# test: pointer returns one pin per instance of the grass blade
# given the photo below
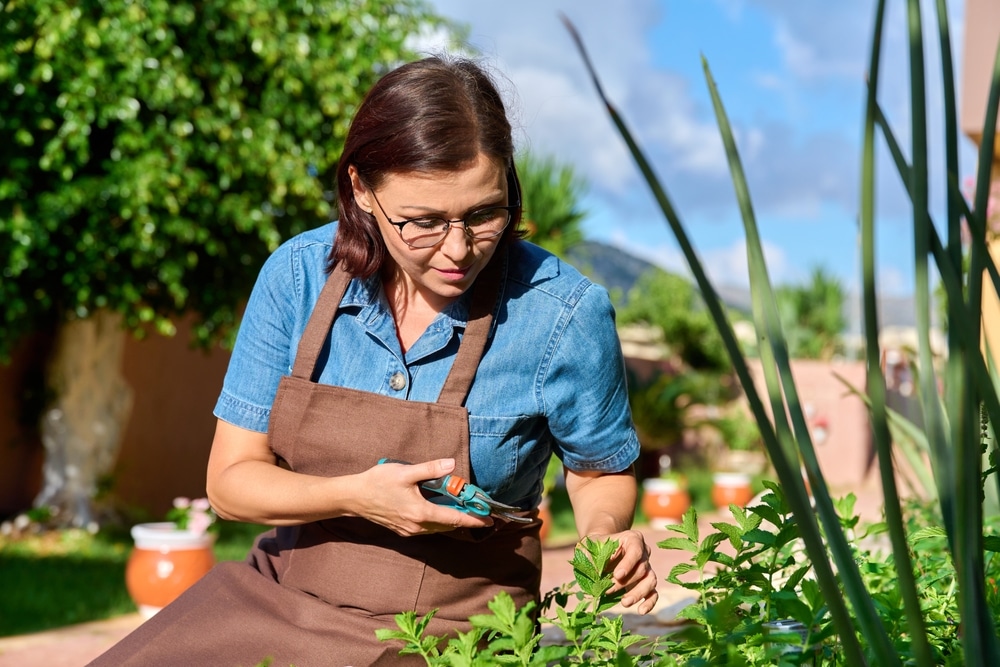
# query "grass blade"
(774, 357)
(788, 474)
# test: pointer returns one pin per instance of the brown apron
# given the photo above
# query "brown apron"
(315, 594)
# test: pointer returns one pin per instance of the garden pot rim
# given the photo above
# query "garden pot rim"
(663, 484)
(730, 478)
(166, 534)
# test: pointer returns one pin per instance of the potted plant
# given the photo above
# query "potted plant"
(665, 498)
(731, 488)
(169, 556)
(740, 448)
(552, 473)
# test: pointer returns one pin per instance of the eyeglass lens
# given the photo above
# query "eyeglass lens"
(483, 224)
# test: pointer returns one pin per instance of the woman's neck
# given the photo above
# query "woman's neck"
(411, 310)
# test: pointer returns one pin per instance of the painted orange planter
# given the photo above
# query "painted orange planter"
(731, 488)
(545, 517)
(664, 501)
(164, 563)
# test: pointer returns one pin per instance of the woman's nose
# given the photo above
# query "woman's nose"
(457, 242)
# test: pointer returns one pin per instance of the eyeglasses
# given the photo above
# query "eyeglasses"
(427, 232)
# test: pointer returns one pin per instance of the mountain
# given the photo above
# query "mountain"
(609, 266)
(618, 271)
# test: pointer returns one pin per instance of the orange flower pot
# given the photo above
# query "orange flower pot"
(664, 501)
(164, 563)
(731, 488)
(545, 518)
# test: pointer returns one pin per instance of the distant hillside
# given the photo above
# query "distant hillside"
(609, 266)
(617, 271)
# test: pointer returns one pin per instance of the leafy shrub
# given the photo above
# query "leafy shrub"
(746, 573)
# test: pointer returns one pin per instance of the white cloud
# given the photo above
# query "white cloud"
(891, 281)
(797, 115)
(727, 266)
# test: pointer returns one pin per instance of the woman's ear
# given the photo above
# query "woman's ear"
(361, 193)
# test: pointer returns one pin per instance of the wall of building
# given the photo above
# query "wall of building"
(166, 443)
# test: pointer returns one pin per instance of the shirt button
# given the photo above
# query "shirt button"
(397, 381)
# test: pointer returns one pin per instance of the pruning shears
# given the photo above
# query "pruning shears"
(456, 492)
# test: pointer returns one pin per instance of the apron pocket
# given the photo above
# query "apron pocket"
(366, 577)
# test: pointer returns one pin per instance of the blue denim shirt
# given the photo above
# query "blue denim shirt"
(551, 379)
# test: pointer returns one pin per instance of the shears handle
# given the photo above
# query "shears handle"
(455, 492)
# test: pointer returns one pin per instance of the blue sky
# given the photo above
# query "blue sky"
(791, 75)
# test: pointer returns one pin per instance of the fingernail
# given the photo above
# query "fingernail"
(447, 464)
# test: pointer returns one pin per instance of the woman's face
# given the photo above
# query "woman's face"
(441, 273)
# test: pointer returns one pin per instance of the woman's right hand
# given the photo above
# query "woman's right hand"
(245, 484)
(394, 499)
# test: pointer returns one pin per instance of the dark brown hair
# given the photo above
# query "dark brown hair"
(431, 115)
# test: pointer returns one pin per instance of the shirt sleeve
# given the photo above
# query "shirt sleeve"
(261, 355)
(585, 391)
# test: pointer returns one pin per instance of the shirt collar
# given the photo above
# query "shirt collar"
(366, 295)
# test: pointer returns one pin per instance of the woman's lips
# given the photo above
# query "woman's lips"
(454, 274)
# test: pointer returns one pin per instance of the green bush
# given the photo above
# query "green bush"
(156, 151)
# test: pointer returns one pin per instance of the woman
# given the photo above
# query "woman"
(420, 329)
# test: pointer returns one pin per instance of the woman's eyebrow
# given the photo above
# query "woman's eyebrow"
(486, 202)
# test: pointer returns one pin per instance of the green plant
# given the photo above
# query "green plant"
(510, 636)
(812, 316)
(670, 303)
(550, 194)
(747, 573)
(951, 420)
(196, 516)
(157, 152)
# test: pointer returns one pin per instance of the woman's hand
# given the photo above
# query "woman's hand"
(604, 505)
(245, 483)
(632, 571)
(395, 501)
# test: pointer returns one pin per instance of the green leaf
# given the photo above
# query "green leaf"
(734, 533)
(679, 543)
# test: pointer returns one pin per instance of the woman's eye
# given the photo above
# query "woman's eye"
(486, 216)
(427, 223)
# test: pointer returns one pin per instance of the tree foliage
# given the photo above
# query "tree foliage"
(550, 193)
(812, 316)
(670, 303)
(156, 151)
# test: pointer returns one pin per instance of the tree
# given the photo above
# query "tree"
(156, 152)
(813, 316)
(550, 194)
(663, 403)
(671, 304)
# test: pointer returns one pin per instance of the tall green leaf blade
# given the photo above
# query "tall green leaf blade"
(976, 613)
(766, 312)
(788, 475)
(876, 380)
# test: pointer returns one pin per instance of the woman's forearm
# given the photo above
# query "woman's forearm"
(603, 503)
(245, 483)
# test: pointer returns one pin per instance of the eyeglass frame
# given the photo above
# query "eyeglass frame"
(511, 210)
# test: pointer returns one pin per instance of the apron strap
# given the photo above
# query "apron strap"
(485, 295)
(319, 324)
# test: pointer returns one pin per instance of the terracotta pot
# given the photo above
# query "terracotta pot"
(731, 488)
(164, 563)
(664, 501)
(545, 517)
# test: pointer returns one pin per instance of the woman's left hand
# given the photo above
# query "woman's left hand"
(604, 505)
(632, 571)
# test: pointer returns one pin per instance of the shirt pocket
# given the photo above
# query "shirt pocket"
(508, 458)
